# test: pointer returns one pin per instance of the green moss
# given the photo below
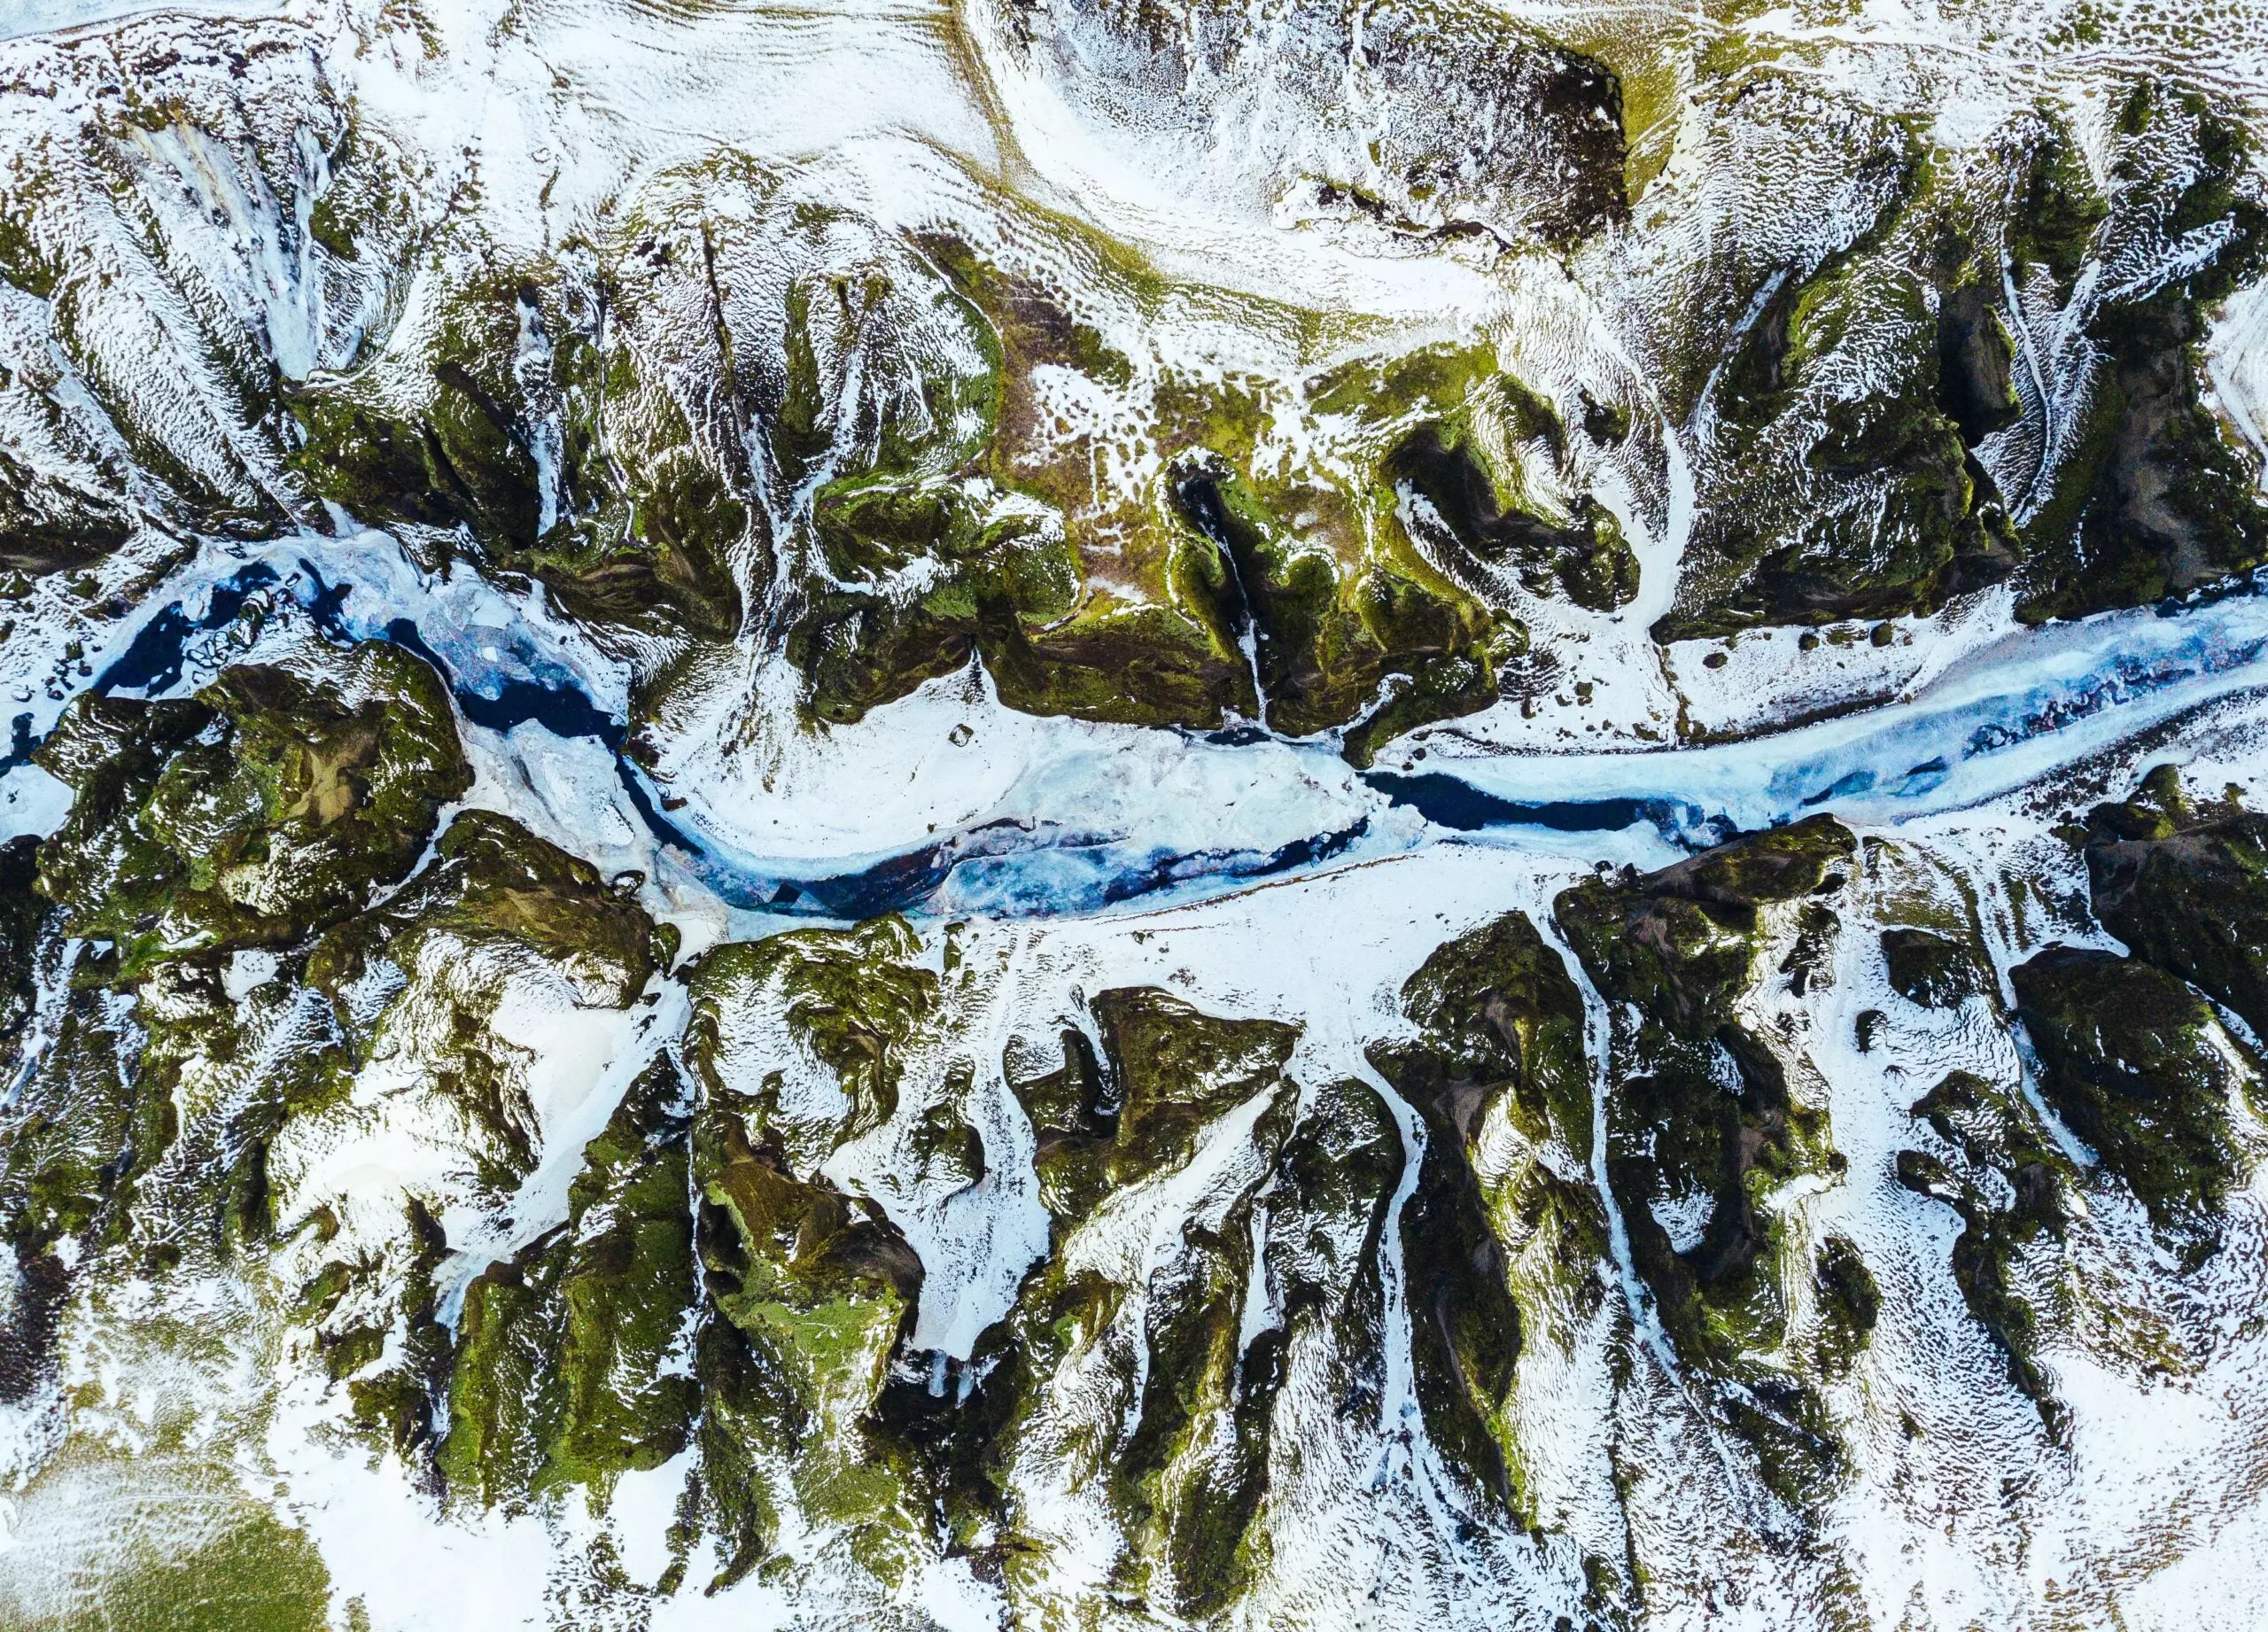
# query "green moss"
(1212, 552)
(272, 804)
(1189, 1480)
(643, 526)
(1502, 1023)
(855, 997)
(1993, 1130)
(2188, 891)
(2133, 1061)
(1587, 560)
(404, 1408)
(82, 1131)
(1929, 969)
(1882, 509)
(2058, 211)
(1702, 1108)
(819, 1289)
(1492, 1249)
(567, 1371)
(1002, 577)
(1166, 1071)
(491, 880)
(224, 1564)
(1850, 1302)
(2153, 498)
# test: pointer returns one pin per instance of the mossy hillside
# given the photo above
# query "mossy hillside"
(1841, 483)
(1187, 1483)
(530, 425)
(24, 914)
(2138, 1066)
(404, 1406)
(422, 975)
(493, 882)
(2187, 889)
(1332, 601)
(1468, 472)
(1702, 1115)
(820, 1290)
(1500, 1041)
(1929, 969)
(1992, 1131)
(1166, 1072)
(270, 803)
(81, 1133)
(568, 1369)
(2153, 496)
(237, 1071)
(857, 999)
(180, 1549)
(814, 1289)
(924, 574)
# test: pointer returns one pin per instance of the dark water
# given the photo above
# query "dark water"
(1448, 802)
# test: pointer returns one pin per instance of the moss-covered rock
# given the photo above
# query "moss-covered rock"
(2152, 496)
(1994, 1133)
(2138, 1066)
(1498, 1061)
(856, 1000)
(1927, 968)
(1825, 502)
(818, 1290)
(1702, 1127)
(1236, 539)
(270, 803)
(1186, 1478)
(573, 1361)
(1585, 558)
(2187, 890)
(536, 435)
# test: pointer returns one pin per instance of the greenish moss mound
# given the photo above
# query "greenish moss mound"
(2187, 890)
(225, 1565)
(571, 1365)
(980, 574)
(1850, 1304)
(1323, 644)
(79, 1135)
(1927, 968)
(1833, 506)
(1585, 560)
(1189, 1481)
(817, 1290)
(567, 470)
(1500, 1035)
(272, 803)
(263, 810)
(2136, 1063)
(492, 880)
(406, 1405)
(813, 1290)
(492, 886)
(1339, 606)
(2153, 498)
(1702, 1118)
(1994, 1132)
(855, 997)
(1167, 1072)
